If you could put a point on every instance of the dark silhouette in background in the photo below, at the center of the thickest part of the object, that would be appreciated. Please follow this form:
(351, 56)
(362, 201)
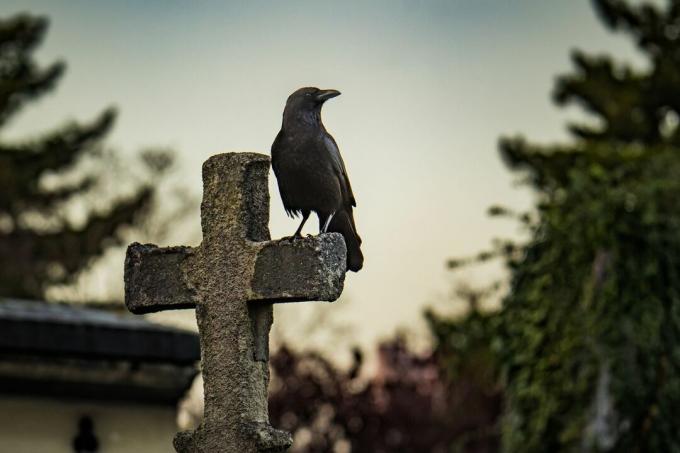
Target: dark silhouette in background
(311, 173)
(39, 246)
(85, 441)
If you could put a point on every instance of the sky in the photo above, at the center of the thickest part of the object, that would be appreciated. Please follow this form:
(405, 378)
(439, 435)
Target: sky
(428, 87)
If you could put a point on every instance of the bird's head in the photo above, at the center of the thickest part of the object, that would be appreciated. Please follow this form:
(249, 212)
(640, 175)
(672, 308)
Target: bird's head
(304, 106)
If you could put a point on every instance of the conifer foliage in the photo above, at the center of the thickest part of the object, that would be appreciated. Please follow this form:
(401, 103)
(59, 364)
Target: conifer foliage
(590, 333)
(38, 246)
(586, 344)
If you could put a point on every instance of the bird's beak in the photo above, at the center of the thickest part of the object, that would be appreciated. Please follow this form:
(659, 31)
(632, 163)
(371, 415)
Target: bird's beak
(324, 95)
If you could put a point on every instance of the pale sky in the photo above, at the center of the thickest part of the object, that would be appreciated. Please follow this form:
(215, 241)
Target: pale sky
(427, 87)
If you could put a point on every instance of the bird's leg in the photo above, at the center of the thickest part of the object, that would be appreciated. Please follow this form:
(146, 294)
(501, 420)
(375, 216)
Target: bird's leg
(324, 228)
(298, 232)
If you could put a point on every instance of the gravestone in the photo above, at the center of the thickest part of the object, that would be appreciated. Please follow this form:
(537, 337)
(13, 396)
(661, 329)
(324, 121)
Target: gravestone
(232, 280)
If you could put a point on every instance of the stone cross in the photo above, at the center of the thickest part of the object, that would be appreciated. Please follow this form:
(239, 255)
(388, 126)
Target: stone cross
(232, 280)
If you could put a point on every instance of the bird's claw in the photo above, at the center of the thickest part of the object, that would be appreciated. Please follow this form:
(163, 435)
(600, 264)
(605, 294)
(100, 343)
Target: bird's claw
(292, 238)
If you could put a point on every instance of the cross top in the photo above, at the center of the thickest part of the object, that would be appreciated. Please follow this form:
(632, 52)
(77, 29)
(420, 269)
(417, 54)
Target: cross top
(235, 200)
(232, 279)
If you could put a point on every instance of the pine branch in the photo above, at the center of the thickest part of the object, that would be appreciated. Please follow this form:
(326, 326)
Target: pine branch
(646, 22)
(21, 33)
(33, 260)
(75, 248)
(20, 79)
(617, 13)
(546, 165)
(631, 115)
(50, 199)
(22, 166)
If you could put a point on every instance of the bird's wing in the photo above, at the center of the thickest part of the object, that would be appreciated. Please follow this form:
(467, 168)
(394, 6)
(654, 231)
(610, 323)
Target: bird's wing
(276, 151)
(339, 167)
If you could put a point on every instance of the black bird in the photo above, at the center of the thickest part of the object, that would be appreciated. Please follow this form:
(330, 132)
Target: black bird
(311, 173)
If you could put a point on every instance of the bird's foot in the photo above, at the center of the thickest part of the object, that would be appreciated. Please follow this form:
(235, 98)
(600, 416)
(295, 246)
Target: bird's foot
(292, 238)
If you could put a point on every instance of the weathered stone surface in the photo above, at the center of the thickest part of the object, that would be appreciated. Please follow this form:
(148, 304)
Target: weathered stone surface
(308, 268)
(233, 278)
(154, 279)
(267, 438)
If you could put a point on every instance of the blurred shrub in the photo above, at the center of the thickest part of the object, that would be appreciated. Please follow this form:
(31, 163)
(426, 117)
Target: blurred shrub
(407, 406)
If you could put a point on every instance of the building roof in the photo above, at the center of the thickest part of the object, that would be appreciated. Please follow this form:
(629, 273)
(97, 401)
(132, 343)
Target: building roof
(64, 350)
(66, 329)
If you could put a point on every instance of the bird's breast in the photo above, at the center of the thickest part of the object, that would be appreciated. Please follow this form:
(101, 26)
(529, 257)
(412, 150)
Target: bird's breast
(307, 180)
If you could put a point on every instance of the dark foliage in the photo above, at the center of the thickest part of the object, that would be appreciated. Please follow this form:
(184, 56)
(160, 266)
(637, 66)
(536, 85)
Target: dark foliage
(408, 406)
(38, 246)
(587, 340)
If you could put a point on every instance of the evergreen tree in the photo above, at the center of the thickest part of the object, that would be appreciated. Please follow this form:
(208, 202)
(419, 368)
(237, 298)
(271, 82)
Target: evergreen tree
(38, 246)
(591, 328)
(587, 341)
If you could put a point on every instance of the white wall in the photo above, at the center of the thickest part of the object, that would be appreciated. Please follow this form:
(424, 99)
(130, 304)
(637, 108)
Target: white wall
(41, 425)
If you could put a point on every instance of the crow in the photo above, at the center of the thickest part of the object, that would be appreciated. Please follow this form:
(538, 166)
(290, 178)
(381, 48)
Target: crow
(311, 173)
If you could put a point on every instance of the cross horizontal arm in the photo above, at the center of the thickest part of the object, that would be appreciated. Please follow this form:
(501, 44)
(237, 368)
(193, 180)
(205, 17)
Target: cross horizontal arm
(154, 279)
(311, 268)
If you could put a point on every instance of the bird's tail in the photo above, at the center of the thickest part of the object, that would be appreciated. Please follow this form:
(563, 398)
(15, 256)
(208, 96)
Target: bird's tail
(343, 223)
